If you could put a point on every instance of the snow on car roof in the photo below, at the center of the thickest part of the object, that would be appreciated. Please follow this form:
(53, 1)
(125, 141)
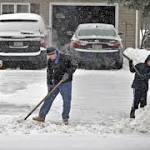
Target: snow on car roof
(96, 25)
(22, 16)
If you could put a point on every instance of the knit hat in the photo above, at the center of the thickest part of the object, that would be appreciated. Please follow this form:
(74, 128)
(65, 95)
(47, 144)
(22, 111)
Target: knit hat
(50, 50)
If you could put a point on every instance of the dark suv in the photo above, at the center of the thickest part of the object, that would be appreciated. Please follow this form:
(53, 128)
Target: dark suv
(23, 39)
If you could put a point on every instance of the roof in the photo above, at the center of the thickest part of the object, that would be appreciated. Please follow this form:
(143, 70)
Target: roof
(28, 16)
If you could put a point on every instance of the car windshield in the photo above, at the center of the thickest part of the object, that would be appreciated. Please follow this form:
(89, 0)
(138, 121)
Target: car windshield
(96, 32)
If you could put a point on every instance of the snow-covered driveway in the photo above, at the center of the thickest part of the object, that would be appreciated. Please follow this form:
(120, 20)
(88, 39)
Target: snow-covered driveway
(101, 103)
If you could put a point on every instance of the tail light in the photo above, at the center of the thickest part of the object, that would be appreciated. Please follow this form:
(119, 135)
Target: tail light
(78, 44)
(44, 42)
(1, 64)
(115, 44)
(75, 44)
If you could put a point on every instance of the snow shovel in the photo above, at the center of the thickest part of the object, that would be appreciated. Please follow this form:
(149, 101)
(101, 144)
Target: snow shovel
(55, 87)
(136, 70)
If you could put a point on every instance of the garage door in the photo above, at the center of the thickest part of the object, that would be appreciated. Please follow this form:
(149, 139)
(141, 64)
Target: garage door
(66, 18)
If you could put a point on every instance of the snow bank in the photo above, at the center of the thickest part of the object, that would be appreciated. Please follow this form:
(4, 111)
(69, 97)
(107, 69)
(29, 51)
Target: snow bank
(137, 55)
(141, 124)
(16, 125)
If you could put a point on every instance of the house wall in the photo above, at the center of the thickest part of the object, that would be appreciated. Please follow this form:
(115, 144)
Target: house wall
(44, 6)
(127, 25)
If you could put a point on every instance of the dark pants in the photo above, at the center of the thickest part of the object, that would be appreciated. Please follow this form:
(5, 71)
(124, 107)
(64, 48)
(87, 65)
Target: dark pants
(65, 91)
(140, 97)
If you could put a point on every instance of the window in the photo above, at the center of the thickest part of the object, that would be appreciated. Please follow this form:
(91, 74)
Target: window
(35, 8)
(97, 32)
(9, 8)
(22, 8)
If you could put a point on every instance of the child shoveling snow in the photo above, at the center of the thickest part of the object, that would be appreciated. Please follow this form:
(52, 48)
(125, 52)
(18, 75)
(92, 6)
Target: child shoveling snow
(142, 75)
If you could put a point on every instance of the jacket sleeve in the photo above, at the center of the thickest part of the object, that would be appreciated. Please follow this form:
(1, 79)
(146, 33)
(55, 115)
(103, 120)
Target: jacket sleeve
(131, 67)
(143, 76)
(71, 67)
(146, 76)
(49, 75)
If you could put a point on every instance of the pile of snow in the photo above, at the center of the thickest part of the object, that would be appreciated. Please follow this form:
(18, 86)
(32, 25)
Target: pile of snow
(141, 124)
(16, 125)
(137, 55)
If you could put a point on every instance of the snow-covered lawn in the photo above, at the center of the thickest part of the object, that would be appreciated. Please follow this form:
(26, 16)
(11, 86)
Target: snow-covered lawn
(101, 103)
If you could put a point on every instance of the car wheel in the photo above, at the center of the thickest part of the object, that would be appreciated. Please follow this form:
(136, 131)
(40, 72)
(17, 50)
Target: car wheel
(39, 64)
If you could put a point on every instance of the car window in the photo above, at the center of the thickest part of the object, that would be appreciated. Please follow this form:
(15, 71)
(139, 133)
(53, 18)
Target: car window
(19, 25)
(96, 32)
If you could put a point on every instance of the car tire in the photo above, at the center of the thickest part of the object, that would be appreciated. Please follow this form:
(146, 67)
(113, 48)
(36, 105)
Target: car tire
(40, 64)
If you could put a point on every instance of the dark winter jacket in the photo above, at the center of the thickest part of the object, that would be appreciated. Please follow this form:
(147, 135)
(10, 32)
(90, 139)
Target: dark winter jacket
(140, 81)
(55, 71)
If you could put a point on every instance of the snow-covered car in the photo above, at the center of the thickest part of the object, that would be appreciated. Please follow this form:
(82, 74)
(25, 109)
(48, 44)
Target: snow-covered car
(23, 38)
(97, 45)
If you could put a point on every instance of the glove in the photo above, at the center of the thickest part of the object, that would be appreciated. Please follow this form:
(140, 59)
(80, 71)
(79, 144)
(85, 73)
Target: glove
(131, 62)
(65, 77)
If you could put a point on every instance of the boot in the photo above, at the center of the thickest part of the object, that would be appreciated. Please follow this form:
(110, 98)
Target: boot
(65, 121)
(132, 113)
(143, 104)
(39, 119)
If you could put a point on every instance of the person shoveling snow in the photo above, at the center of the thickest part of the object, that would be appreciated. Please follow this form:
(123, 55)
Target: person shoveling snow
(60, 67)
(141, 59)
